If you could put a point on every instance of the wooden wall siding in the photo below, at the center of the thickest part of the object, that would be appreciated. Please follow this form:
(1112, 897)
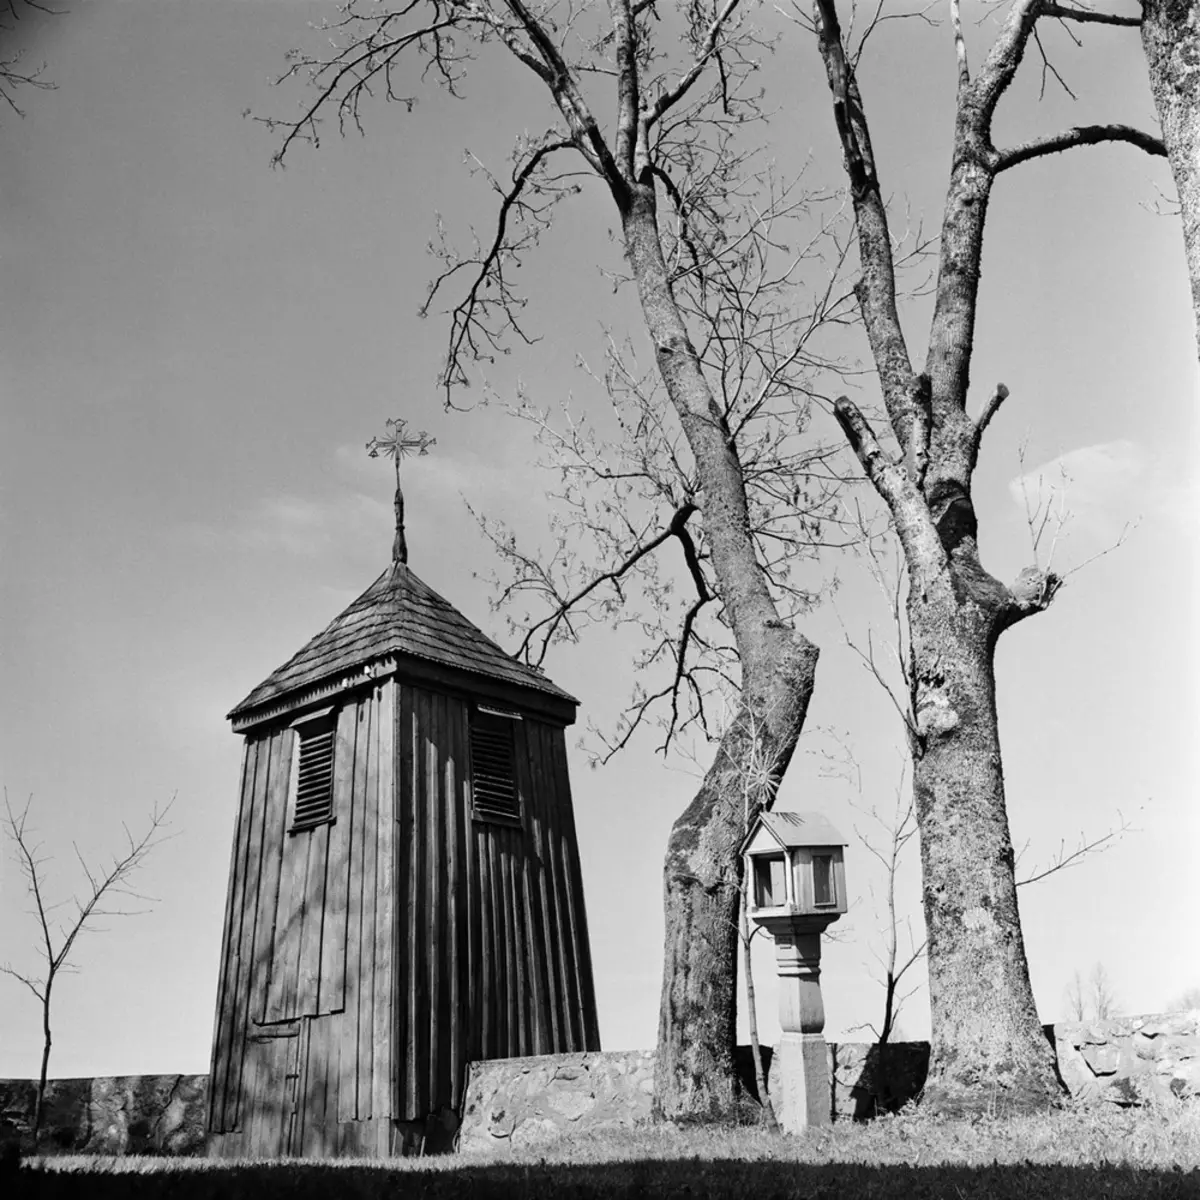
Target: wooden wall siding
(264, 791)
(493, 957)
(366, 962)
(305, 1005)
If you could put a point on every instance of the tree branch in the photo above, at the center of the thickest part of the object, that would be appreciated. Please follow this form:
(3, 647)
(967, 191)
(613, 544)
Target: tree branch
(990, 409)
(960, 48)
(625, 34)
(1086, 16)
(555, 619)
(571, 103)
(669, 99)
(1063, 860)
(1032, 592)
(876, 288)
(1000, 66)
(703, 596)
(877, 464)
(1080, 135)
(464, 314)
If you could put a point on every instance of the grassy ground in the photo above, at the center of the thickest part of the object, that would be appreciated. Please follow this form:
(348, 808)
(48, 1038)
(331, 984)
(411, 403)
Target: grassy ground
(1080, 1154)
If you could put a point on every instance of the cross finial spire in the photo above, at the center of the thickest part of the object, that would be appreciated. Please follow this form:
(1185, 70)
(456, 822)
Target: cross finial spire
(396, 444)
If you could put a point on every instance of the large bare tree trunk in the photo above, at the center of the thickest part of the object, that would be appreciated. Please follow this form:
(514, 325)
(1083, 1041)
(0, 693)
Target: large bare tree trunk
(1171, 40)
(987, 1048)
(694, 1072)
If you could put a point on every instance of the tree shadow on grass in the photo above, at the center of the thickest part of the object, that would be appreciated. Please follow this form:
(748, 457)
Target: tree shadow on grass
(695, 1179)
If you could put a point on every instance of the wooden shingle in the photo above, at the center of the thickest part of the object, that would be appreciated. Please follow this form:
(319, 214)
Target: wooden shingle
(397, 616)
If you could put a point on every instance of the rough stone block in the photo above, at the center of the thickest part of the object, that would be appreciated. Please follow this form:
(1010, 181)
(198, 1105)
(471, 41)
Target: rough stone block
(1101, 1058)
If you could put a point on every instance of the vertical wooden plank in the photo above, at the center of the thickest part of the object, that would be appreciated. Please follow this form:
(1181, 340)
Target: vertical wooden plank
(289, 922)
(485, 915)
(331, 989)
(385, 922)
(560, 932)
(500, 884)
(476, 970)
(275, 820)
(417, 986)
(468, 891)
(252, 1111)
(405, 801)
(297, 1125)
(542, 832)
(293, 853)
(309, 972)
(333, 1080)
(580, 947)
(532, 997)
(272, 1102)
(227, 985)
(540, 807)
(370, 906)
(512, 945)
(348, 1057)
(244, 929)
(434, 897)
(516, 974)
(320, 1131)
(264, 781)
(452, 938)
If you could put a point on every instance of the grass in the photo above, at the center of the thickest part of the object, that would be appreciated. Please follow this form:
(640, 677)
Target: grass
(1078, 1153)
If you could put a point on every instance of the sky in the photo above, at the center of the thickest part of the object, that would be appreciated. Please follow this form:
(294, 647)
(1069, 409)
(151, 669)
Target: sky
(196, 346)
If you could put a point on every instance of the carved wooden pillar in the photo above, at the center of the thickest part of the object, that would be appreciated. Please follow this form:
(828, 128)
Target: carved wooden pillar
(803, 1095)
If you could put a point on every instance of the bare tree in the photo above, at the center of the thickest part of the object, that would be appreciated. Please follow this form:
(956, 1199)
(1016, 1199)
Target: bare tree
(1101, 994)
(896, 959)
(1076, 998)
(107, 894)
(673, 168)
(760, 1076)
(1187, 999)
(985, 1024)
(1092, 999)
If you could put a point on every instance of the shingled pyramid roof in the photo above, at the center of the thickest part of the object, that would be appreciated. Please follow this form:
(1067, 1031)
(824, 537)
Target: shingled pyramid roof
(397, 615)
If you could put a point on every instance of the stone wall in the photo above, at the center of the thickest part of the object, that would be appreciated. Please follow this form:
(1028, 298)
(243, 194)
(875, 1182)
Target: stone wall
(1130, 1059)
(130, 1114)
(519, 1101)
(522, 1101)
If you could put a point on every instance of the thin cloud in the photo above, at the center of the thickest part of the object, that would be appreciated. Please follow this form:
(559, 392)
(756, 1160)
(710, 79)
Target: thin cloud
(1095, 488)
(305, 527)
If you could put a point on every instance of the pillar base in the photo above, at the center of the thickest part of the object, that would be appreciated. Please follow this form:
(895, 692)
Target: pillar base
(801, 1093)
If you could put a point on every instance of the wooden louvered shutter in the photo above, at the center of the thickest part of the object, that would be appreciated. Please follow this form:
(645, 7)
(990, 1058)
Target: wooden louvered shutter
(494, 793)
(314, 771)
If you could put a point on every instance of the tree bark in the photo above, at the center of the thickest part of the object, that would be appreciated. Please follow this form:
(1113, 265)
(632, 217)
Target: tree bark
(694, 1071)
(47, 1041)
(988, 1052)
(694, 1078)
(1171, 41)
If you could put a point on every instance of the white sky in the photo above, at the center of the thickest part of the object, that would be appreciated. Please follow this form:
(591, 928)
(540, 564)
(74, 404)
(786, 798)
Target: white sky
(195, 347)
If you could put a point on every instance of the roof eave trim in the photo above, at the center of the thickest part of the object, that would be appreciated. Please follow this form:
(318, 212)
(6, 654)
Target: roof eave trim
(758, 821)
(246, 717)
(372, 672)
